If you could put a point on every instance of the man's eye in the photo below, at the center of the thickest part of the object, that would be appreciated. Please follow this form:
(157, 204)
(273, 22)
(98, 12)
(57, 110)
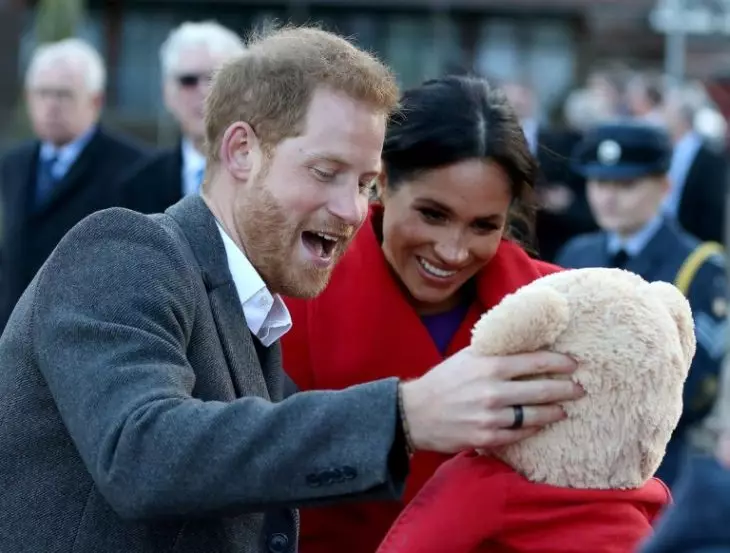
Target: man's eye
(367, 186)
(323, 175)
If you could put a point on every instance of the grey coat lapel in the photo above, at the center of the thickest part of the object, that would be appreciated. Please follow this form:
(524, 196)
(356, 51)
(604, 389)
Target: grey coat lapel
(200, 229)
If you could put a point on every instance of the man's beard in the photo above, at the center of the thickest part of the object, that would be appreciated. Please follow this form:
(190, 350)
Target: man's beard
(271, 241)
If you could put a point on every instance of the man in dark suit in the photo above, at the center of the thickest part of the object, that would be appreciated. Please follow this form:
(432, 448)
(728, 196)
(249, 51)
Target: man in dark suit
(563, 211)
(144, 402)
(626, 166)
(698, 171)
(51, 183)
(188, 58)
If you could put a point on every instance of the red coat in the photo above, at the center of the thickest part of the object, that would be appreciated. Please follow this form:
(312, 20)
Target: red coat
(479, 504)
(362, 329)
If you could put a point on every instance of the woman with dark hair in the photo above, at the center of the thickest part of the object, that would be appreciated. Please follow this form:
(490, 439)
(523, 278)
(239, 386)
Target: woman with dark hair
(436, 251)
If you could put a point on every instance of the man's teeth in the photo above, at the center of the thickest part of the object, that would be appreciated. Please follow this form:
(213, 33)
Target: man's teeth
(435, 271)
(327, 236)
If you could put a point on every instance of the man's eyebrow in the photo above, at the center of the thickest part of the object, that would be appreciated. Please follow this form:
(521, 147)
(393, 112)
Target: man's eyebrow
(339, 160)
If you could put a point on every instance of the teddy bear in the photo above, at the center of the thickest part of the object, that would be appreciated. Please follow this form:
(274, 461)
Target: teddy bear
(585, 483)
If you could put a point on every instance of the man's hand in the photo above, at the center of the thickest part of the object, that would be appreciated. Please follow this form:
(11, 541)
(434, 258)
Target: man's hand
(467, 401)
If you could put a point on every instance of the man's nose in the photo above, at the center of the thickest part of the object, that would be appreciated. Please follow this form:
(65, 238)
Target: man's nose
(348, 204)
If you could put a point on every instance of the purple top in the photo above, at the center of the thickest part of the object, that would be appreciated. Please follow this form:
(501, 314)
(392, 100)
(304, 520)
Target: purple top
(443, 326)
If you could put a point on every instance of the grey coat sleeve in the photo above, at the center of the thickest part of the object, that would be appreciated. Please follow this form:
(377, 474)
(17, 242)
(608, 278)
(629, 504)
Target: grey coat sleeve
(113, 311)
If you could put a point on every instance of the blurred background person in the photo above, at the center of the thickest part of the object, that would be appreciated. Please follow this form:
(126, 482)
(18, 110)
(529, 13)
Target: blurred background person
(189, 57)
(626, 164)
(608, 84)
(67, 171)
(562, 207)
(698, 170)
(645, 98)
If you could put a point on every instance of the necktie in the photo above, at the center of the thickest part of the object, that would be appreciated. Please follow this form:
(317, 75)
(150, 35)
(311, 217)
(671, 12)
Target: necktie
(45, 180)
(619, 259)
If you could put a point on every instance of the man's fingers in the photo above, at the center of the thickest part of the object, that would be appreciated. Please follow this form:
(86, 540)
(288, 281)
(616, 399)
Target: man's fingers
(533, 417)
(533, 364)
(506, 437)
(535, 392)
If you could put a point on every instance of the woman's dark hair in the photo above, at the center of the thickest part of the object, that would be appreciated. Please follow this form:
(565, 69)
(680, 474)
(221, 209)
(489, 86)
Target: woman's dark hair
(456, 118)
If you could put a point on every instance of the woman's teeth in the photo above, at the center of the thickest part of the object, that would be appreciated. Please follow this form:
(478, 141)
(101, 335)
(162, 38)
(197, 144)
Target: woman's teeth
(435, 271)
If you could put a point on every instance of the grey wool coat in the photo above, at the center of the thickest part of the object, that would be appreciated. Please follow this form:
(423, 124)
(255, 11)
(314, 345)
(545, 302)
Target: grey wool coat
(138, 414)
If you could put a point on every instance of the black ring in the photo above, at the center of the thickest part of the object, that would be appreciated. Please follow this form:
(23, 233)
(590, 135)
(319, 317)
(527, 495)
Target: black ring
(519, 417)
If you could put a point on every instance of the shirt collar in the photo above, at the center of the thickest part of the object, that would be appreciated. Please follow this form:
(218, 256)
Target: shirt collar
(67, 154)
(633, 245)
(690, 139)
(266, 314)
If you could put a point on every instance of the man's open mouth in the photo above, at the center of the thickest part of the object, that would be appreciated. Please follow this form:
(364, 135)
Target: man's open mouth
(320, 244)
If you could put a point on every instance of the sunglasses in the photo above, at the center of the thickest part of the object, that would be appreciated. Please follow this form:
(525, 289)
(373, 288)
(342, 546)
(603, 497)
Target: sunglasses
(190, 80)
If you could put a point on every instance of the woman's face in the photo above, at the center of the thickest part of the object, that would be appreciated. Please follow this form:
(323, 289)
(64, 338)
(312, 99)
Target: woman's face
(442, 227)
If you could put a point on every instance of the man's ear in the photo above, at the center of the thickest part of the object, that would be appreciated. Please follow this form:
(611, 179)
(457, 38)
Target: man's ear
(239, 150)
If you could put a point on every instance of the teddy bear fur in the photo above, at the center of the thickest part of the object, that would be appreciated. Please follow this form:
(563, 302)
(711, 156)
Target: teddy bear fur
(633, 341)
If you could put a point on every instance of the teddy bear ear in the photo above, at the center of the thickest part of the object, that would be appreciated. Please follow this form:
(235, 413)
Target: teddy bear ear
(681, 313)
(528, 320)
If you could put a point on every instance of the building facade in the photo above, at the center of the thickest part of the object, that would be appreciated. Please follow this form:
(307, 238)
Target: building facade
(549, 43)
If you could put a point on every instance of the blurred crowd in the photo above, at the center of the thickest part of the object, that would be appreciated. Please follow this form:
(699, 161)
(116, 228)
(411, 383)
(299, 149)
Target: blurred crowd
(686, 113)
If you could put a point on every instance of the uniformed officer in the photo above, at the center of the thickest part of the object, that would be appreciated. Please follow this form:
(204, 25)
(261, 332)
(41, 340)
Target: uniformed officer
(625, 165)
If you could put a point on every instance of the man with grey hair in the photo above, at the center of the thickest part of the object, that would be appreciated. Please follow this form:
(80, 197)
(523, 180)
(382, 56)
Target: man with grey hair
(49, 184)
(188, 58)
(698, 170)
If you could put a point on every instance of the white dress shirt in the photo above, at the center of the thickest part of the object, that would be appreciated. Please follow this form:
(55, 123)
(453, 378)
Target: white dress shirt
(683, 156)
(266, 314)
(193, 168)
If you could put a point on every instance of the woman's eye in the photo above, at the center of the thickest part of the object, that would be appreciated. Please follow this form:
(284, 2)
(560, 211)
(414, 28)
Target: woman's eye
(485, 227)
(431, 214)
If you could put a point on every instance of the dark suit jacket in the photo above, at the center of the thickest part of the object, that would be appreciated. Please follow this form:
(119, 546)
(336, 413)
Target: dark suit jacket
(155, 183)
(554, 229)
(661, 259)
(29, 236)
(702, 204)
(138, 410)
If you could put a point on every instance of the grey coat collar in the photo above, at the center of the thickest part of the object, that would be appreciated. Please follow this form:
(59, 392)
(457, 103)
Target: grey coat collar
(200, 228)
(255, 370)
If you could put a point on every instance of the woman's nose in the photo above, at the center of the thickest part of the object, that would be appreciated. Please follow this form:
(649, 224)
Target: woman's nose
(452, 252)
